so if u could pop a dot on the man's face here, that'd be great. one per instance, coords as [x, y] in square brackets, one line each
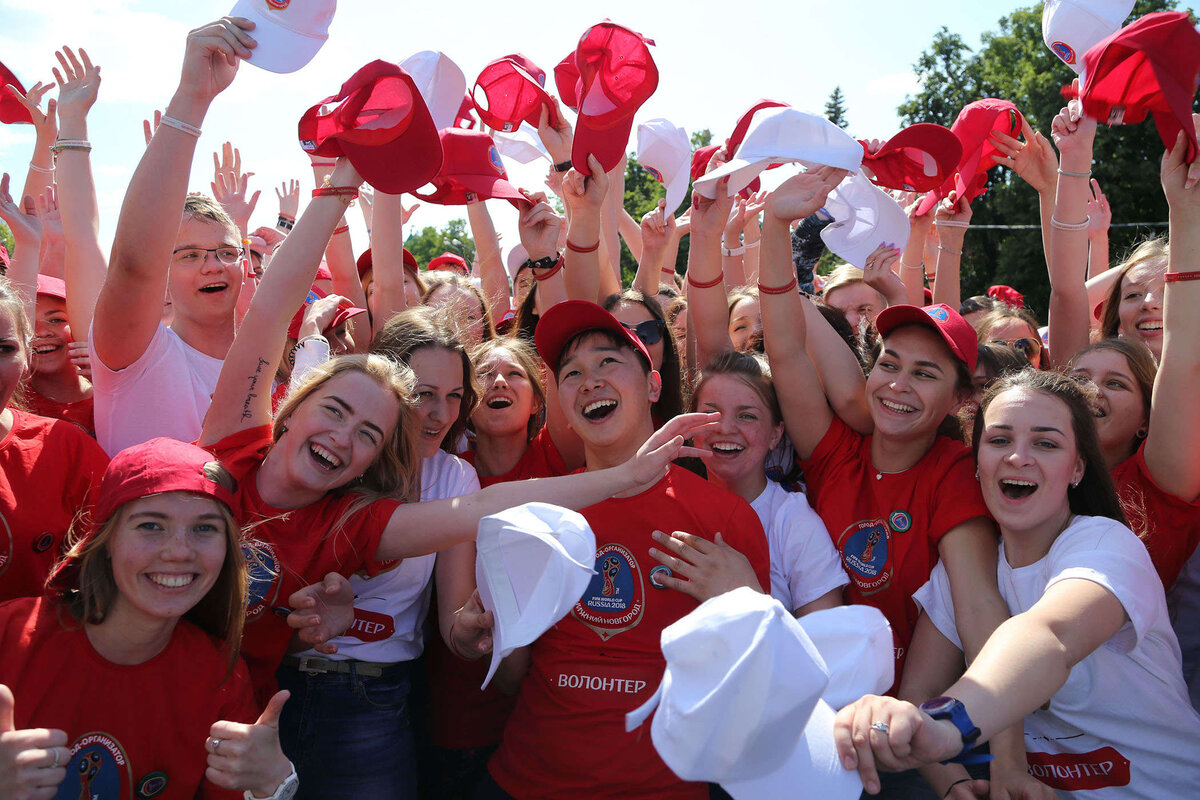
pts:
[202, 287]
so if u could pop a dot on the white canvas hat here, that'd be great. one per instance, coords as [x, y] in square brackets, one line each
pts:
[440, 82]
[665, 150]
[532, 564]
[779, 136]
[1072, 27]
[289, 32]
[522, 145]
[740, 703]
[864, 217]
[516, 257]
[855, 642]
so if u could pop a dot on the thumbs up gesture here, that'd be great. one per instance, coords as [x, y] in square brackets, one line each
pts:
[248, 757]
[32, 762]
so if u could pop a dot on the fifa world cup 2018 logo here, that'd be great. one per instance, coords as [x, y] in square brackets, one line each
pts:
[89, 768]
[612, 566]
[872, 540]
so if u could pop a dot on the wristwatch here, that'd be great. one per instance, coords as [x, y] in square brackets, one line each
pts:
[956, 712]
[286, 790]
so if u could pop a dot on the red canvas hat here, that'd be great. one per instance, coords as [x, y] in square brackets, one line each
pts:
[381, 123]
[510, 90]
[472, 171]
[700, 159]
[917, 159]
[616, 76]
[974, 126]
[566, 80]
[51, 286]
[955, 331]
[449, 262]
[466, 114]
[366, 263]
[344, 312]
[564, 321]
[11, 110]
[1151, 65]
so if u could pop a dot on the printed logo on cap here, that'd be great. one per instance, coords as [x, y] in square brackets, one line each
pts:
[494, 157]
[6, 544]
[263, 568]
[900, 521]
[615, 598]
[657, 574]
[654, 173]
[1063, 51]
[42, 543]
[938, 314]
[279, 5]
[98, 767]
[152, 785]
[865, 551]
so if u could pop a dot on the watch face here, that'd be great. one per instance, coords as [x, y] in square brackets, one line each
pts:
[938, 705]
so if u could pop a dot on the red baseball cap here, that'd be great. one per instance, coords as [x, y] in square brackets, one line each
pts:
[4, 260]
[917, 159]
[154, 467]
[11, 110]
[974, 126]
[472, 171]
[564, 321]
[366, 263]
[449, 262]
[1151, 65]
[51, 286]
[955, 331]
[381, 123]
[617, 75]
[701, 157]
[510, 90]
[1007, 295]
[344, 312]
[566, 80]
[466, 114]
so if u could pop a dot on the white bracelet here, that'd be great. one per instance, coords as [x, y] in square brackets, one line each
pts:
[912, 266]
[180, 125]
[1087, 174]
[42, 170]
[950, 223]
[736, 251]
[948, 250]
[751, 245]
[1068, 226]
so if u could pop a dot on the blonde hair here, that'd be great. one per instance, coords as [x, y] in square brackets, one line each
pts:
[441, 278]
[203, 208]
[1149, 250]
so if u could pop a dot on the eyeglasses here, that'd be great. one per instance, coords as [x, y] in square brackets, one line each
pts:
[1028, 347]
[226, 254]
[650, 331]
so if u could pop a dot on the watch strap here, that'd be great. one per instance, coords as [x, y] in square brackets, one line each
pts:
[285, 790]
[562, 166]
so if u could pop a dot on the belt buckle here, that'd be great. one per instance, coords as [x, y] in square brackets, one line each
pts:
[308, 665]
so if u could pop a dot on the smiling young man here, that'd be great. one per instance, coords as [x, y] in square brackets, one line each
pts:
[566, 737]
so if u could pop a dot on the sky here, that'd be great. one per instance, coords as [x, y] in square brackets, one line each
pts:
[714, 59]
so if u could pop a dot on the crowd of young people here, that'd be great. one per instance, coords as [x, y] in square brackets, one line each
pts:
[241, 472]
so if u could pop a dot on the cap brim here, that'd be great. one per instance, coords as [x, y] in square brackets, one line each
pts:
[877, 220]
[606, 144]
[893, 317]
[408, 162]
[566, 320]
[279, 49]
[741, 174]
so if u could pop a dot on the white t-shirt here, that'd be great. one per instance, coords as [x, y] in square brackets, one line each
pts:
[1183, 601]
[166, 392]
[804, 563]
[391, 607]
[1121, 727]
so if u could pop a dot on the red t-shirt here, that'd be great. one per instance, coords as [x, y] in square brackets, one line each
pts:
[887, 528]
[81, 412]
[134, 731]
[566, 738]
[48, 470]
[289, 549]
[463, 717]
[1169, 526]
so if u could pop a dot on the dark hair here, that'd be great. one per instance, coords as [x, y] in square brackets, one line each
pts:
[1095, 494]
[964, 381]
[841, 326]
[1142, 366]
[1149, 250]
[526, 318]
[670, 402]
[980, 302]
[998, 360]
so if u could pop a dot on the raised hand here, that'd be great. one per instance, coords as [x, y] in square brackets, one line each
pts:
[33, 762]
[322, 611]
[584, 194]
[471, 633]
[1071, 130]
[1179, 179]
[45, 123]
[210, 60]
[1099, 212]
[248, 757]
[149, 129]
[802, 195]
[556, 137]
[78, 83]
[49, 215]
[320, 314]
[22, 220]
[289, 198]
[699, 568]
[658, 228]
[80, 357]
[666, 444]
[539, 226]
[879, 273]
[230, 184]
[1034, 159]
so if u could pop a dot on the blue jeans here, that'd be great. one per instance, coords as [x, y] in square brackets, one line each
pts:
[348, 735]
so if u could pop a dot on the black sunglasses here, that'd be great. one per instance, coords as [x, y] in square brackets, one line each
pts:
[650, 331]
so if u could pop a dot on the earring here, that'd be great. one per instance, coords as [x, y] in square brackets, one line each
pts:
[1141, 433]
[977, 473]
[1075, 483]
[282, 429]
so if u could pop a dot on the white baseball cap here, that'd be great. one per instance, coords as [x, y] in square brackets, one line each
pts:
[440, 82]
[516, 257]
[532, 564]
[855, 642]
[740, 703]
[522, 145]
[288, 33]
[665, 150]
[779, 136]
[1072, 27]
[864, 217]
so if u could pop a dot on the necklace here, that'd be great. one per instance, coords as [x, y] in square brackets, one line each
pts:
[879, 473]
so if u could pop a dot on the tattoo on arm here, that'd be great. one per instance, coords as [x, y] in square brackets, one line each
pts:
[250, 391]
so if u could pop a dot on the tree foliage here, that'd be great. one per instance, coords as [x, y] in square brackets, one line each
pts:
[835, 108]
[1014, 64]
[431, 242]
[6, 238]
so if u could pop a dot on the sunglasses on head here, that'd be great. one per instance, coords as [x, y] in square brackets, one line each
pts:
[650, 331]
[1028, 347]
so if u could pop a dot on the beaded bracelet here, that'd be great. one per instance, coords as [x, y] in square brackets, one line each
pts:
[1177, 277]
[574, 248]
[705, 284]
[785, 289]
[180, 125]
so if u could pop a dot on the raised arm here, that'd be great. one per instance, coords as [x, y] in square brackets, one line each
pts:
[654, 237]
[708, 307]
[387, 255]
[243, 396]
[129, 307]
[45, 126]
[952, 218]
[26, 228]
[583, 196]
[1099, 221]
[912, 260]
[1174, 436]
[230, 185]
[493, 279]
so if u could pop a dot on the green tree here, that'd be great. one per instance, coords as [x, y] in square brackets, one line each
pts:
[835, 108]
[431, 242]
[1014, 64]
[6, 238]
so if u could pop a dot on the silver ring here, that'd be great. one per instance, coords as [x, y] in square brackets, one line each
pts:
[882, 727]
[54, 765]
[215, 742]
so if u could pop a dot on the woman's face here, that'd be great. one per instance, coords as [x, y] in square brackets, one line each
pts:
[745, 324]
[1017, 334]
[439, 374]
[522, 285]
[1120, 411]
[857, 302]
[51, 334]
[679, 330]
[465, 306]
[631, 315]
[1140, 311]
[14, 359]
[508, 399]
[166, 553]
[913, 385]
[1027, 459]
[746, 431]
[338, 432]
